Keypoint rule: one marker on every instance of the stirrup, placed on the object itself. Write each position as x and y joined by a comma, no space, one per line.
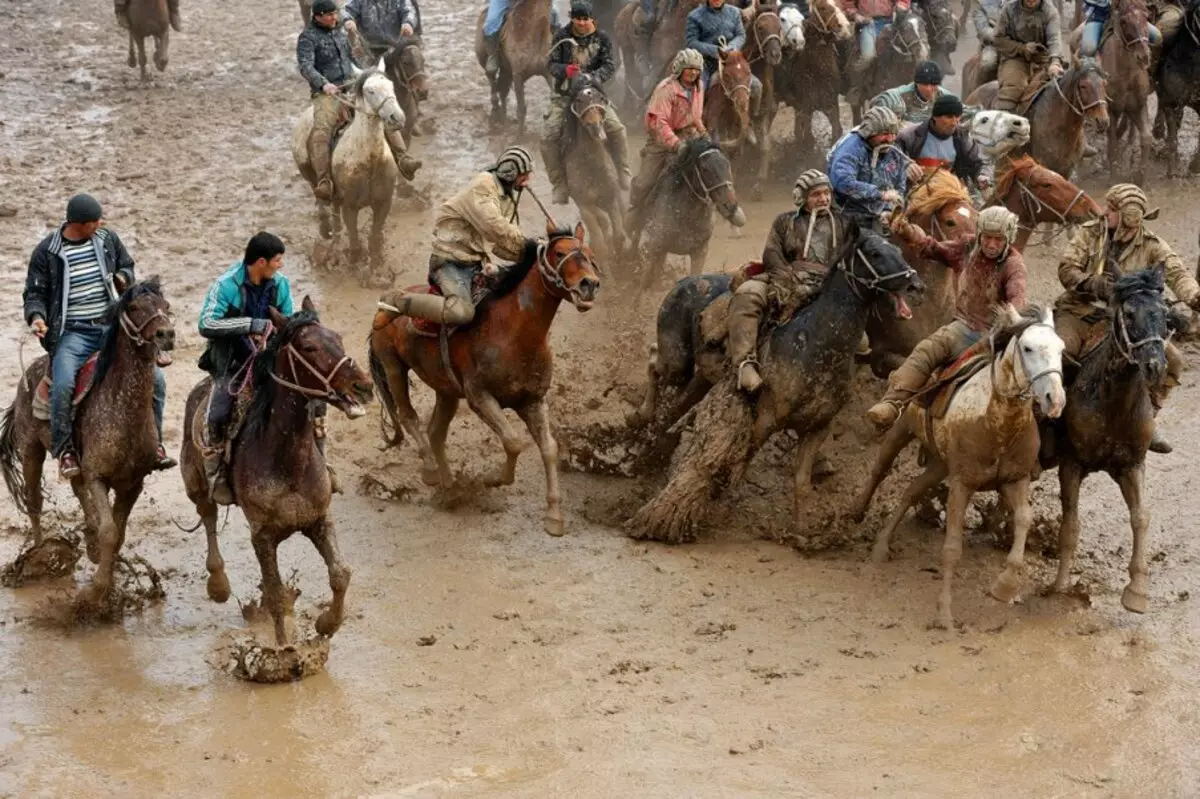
750,361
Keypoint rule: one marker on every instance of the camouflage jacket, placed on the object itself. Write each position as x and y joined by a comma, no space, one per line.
1088,255
1019,26
323,55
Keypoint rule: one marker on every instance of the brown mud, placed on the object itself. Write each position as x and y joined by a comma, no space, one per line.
480,657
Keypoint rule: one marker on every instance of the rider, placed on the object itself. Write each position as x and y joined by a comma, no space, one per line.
1029,41
991,271
940,141
1168,17
1102,251
323,53
484,213
234,318
913,102
796,259
1095,16
75,273
380,23
714,29
580,56
870,17
986,15
867,169
675,113
493,23
121,8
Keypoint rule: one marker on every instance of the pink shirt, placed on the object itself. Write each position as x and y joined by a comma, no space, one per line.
671,110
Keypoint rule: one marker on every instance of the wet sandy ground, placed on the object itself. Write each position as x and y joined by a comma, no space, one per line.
585,666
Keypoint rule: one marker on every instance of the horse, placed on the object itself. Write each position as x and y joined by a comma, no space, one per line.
114,432
1037,194
1057,114
148,18
807,365
404,65
362,168
524,43
592,177
277,472
664,44
500,360
825,29
727,103
764,52
986,439
1178,86
943,32
900,47
1125,57
1109,421
941,206
679,218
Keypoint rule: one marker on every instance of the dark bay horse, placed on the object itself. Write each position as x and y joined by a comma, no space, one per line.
764,52
1058,112
524,45
500,360
1037,194
1109,421
404,64
825,28
277,473
807,364
900,47
592,177
666,42
148,18
1178,86
1125,57
114,435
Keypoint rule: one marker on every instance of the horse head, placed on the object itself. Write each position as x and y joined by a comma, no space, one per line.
877,268
791,27
1140,322
1133,30
143,314
1039,194
588,105
999,132
941,204
907,36
568,267
733,74
1033,351
1085,88
405,65
827,20
309,359
374,95
767,30
707,172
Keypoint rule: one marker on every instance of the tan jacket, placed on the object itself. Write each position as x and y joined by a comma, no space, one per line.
1087,254
1018,26
479,215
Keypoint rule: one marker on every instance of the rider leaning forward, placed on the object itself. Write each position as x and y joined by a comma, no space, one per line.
1099,253
323,54
866,169
580,56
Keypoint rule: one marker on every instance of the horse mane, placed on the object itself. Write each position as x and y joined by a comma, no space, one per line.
362,79
264,366
1009,169
1075,75
690,152
511,277
108,346
1145,281
942,188
1003,331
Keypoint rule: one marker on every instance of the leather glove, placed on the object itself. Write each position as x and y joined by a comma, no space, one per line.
1099,286
1034,49
1055,69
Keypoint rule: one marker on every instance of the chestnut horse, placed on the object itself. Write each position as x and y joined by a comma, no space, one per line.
148,18
524,45
727,103
500,360
1037,194
1125,57
764,51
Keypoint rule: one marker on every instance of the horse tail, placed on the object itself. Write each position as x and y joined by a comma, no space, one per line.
387,411
10,460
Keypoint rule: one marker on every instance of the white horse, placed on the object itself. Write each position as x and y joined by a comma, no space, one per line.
363,171
987,440
791,21
999,132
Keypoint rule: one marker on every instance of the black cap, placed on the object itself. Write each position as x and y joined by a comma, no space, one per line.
83,208
947,105
581,9
928,72
323,7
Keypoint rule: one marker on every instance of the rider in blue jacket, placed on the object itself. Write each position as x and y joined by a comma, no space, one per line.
867,170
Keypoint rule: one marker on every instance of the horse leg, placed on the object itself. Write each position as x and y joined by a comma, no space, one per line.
1016,496
1114,145
896,439
33,460
324,538
1136,597
644,413
444,411
519,89
273,589
141,48
1172,122
398,386
601,243
806,455
697,259
488,409
132,59
94,593
935,473
123,502
350,218
90,515
956,511
537,419
218,582
1070,478
160,51
379,215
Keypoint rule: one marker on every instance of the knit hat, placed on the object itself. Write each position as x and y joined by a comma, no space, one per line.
581,9
513,162
947,105
1125,194
878,119
808,181
998,221
84,208
323,7
686,59
928,72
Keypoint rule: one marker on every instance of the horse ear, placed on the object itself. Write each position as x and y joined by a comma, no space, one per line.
381,66
579,232
1048,316
277,319
550,228
307,304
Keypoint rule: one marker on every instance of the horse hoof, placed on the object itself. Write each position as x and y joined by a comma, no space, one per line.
1005,589
218,587
431,477
554,526
635,419
879,553
327,624
131,61
90,598
1134,602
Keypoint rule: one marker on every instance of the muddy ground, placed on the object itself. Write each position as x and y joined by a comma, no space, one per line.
584,666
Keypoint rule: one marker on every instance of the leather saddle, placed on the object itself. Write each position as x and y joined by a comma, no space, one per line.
944,384
84,381
481,287
714,320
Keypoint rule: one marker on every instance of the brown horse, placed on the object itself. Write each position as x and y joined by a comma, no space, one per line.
1125,56
277,471
148,18
972,79
404,64
1037,194
114,432
1058,112
592,176
825,28
666,42
727,103
764,51
501,360
524,45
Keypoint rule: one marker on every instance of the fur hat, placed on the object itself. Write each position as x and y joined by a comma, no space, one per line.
998,221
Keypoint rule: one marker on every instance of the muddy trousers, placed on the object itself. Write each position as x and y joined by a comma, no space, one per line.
326,112
552,143
745,313
654,158
947,342
1013,75
455,307
1075,333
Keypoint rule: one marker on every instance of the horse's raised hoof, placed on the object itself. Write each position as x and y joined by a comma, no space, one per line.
1005,588
635,419
327,624
554,526
218,587
92,545
131,61
90,599
1134,601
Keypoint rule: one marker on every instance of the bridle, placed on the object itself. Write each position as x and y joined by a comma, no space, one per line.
405,79
761,43
721,80
900,44
598,102
876,280
293,357
822,25
1126,347
1027,392
135,332
706,194
1033,205
1130,44
1078,107
552,275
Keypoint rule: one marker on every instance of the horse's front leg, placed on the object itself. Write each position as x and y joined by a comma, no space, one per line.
141,48
123,503
350,220
537,419
94,593
324,538
275,595
444,411
519,88
132,59
806,455
1136,597
1070,478
379,278
398,385
489,410
1016,496
160,51
956,512
698,257
33,460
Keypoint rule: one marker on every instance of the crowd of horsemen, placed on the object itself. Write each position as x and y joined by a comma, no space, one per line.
906,132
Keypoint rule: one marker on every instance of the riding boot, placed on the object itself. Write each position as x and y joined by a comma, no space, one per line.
902,385
173,10
1158,396
491,46
407,165
858,74
429,307
618,148
743,341
121,9
216,474
319,433
319,157
552,157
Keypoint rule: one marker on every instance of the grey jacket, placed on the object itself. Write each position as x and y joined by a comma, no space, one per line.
1019,26
706,27
324,56
985,14
379,21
